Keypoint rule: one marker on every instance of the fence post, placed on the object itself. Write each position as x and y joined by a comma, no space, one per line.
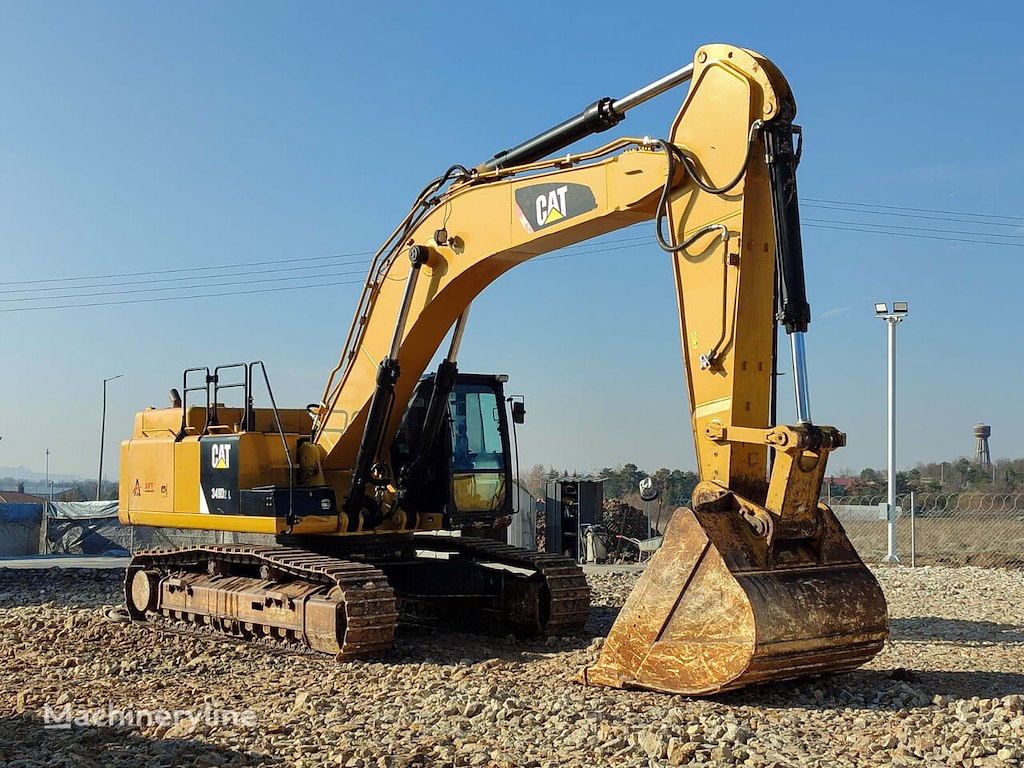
43,528
913,532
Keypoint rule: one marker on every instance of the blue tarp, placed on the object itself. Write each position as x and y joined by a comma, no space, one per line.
20,513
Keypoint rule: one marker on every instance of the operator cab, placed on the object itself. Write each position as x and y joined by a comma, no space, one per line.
468,471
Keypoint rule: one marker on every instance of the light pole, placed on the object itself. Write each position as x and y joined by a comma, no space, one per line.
48,473
892,319
103,429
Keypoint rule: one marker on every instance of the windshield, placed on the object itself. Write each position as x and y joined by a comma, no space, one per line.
476,431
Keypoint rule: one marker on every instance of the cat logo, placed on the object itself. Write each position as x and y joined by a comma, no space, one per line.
551,207
220,456
544,205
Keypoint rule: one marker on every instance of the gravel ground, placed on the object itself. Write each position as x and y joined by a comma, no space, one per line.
948,689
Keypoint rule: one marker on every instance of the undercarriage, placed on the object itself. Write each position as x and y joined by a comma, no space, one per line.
345,599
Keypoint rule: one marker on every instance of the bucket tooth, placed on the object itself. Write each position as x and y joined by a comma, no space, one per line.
720,607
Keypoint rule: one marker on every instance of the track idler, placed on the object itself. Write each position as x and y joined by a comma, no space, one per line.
735,598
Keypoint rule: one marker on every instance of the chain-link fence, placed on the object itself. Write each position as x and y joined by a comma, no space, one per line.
985,529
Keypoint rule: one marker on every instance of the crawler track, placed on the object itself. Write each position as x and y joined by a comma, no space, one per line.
564,602
324,602
330,605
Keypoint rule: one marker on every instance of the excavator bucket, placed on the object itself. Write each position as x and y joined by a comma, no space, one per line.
722,605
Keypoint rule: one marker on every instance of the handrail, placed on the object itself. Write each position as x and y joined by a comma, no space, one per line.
184,400
217,387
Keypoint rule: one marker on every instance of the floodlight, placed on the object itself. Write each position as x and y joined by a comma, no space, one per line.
900,308
647,490
881,309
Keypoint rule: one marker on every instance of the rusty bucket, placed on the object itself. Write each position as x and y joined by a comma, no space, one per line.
724,604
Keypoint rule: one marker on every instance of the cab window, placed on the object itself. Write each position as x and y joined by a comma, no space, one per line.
476,434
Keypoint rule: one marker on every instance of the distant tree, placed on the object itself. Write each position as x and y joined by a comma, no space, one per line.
955,476
633,475
109,490
870,482
535,480
1011,477
538,479
967,472
679,489
870,475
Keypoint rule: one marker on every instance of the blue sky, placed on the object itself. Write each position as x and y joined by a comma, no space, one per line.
137,138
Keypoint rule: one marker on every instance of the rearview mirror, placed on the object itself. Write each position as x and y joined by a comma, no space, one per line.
518,411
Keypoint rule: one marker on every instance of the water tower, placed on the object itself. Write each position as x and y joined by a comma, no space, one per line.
982,432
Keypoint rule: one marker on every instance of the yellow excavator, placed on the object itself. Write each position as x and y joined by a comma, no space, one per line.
364,491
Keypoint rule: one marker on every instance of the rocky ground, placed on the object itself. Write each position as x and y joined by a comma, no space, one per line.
948,689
